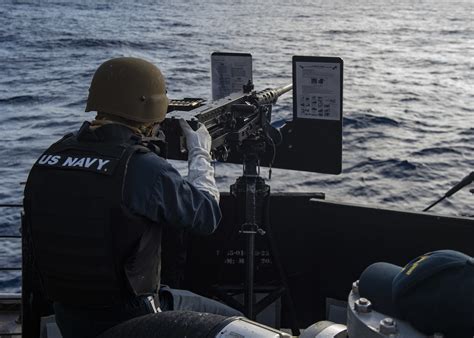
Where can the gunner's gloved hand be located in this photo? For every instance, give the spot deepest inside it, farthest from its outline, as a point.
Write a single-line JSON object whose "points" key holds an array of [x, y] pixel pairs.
{"points": [[200, 170]]}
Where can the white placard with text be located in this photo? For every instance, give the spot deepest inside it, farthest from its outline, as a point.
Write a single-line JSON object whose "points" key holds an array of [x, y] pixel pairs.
{"points": [[318, 90], [229, 73]]}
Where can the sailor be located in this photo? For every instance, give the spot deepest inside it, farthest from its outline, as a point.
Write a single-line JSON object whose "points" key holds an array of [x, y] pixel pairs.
{"points": [[97, 201]]}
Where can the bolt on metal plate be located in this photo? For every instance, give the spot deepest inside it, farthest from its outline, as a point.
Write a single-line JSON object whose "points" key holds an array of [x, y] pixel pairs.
{"points": [[388, 326], [363, 305]]}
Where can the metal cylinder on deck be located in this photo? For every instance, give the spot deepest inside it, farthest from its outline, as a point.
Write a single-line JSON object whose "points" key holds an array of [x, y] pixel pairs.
{"points": [[325, 329], [177, 324]]}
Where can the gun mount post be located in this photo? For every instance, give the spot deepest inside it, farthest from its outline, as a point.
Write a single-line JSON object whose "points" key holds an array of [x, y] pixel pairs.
{"points": [[251, 192]]}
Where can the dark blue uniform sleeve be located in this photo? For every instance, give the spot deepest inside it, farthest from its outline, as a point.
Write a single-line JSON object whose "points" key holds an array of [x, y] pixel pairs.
{"points": [[155, 190]]}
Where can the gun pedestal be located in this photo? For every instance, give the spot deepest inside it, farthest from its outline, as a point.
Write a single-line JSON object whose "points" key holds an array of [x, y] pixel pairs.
{"points": [[252, 196]]}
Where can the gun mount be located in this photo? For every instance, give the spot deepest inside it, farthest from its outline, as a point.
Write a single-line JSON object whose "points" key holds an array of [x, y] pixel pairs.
{"points": [[312, 141]]}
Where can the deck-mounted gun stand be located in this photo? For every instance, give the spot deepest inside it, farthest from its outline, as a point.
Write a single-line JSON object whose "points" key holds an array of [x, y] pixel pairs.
{"points": [[252, 196]]}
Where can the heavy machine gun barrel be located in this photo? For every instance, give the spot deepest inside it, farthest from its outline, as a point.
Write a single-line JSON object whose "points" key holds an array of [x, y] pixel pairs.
{"points": [[270, 96]]}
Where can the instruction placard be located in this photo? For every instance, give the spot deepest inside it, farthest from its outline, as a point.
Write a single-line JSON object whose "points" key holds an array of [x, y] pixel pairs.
{"points": [[229, 73], [317, 86]]}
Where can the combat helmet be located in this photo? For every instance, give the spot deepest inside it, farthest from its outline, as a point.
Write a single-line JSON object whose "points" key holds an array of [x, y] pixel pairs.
{"points": [[130, 88]]}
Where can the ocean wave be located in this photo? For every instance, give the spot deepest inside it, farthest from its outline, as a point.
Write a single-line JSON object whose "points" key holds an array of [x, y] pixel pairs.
{"points": [[184, 34], [346, 31], [401, 169], [390, 168], [468, 132], [364, 191], [27, 138], [394, 199], [467, 32], [436, 151], [410, 99], [189, 70], [78, 103], [10, 282], [178, 24], [21, 118], [26, 99], [68, 43], [406, 30], [49, 124], [10, 221], [368, 120], [434, 62], [7, 38], [18, 99]]}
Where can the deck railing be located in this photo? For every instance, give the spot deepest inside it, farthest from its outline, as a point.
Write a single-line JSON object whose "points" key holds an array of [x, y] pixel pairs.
{"points": [[10, 303]]}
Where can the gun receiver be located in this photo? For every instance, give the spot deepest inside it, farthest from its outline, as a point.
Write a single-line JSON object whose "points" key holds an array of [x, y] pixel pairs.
{"points": [[229, 120]]}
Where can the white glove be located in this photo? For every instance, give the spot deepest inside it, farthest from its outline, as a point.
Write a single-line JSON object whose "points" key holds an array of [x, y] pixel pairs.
{"points": [[200, 170]]}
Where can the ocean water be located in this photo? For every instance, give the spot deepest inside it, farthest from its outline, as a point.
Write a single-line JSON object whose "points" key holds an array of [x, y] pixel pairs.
{"points": [[408, 85]]}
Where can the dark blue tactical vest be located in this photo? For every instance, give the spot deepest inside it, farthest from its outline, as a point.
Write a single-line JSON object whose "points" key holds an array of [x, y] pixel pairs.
{"points": [[88, 248]]}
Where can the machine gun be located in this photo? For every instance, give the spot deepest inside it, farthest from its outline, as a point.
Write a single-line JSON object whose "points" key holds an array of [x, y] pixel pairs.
{"points": [[240, 128], [230, 121]]}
